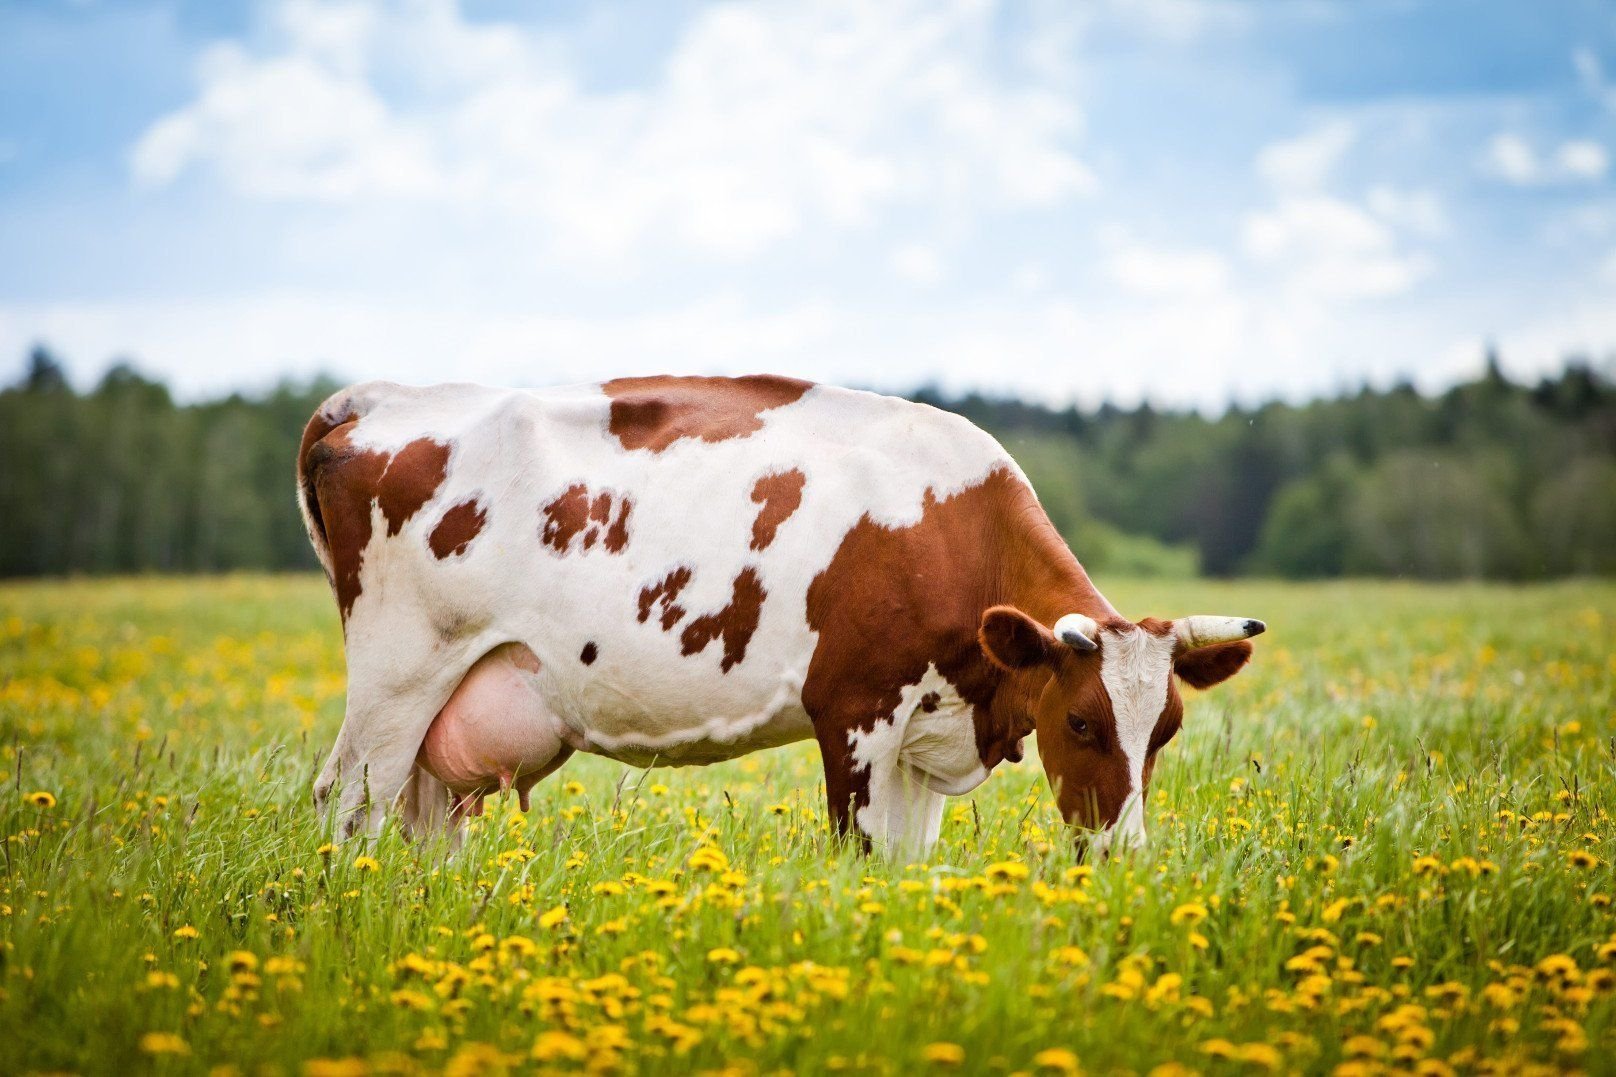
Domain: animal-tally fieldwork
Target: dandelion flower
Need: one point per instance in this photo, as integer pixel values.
(41, 799)
(366, 863)
(186, 931)
(1191, 912)
(1058, 1059)
(164, 1043)
(943, 1054)
(555, 1046)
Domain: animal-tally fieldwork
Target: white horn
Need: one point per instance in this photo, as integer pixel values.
(1195, 632)
(1078, 632)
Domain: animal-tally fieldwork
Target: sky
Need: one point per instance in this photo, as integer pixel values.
(1190, 202)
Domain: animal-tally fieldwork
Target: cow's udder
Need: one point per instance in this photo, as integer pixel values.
(495, 732)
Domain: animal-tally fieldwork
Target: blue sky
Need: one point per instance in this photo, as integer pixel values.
(1189, 201)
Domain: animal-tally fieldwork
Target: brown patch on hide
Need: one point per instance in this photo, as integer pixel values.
(734, 624)
(319, 425)
(664, 593)
(929, 702)
(463, 522)
(412, 477)
(347, 481)
(779, 494)
(653, 413)
(576, 518)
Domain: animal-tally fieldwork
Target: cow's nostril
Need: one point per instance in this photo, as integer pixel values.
(1255, 628)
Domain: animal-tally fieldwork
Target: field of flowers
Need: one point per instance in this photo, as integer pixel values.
(1386, 846)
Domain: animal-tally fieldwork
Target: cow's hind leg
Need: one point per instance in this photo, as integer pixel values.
(390, 707)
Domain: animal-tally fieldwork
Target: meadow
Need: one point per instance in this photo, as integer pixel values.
(1385, 846)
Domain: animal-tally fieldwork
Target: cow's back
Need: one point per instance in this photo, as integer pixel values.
(652, 541)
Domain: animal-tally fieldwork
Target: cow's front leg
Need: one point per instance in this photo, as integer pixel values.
(873, 795)
(915, 817)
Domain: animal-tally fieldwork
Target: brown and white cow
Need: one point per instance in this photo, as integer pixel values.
(670, 571)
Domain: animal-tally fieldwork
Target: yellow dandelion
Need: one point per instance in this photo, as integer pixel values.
(1191, 912)
(1558, 967)
(186, 931)
(41, 799)
(556, 1046)
(164, 1043)
(723, 955)
(1007, 869)
(1363, 1047)
(1260, 1054)
(242, 961)
(1058, 1059)
(366, 863)
(943, 1054)
(1582, 858)
(554, 917)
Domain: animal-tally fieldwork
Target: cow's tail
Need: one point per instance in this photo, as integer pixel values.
(314, 453)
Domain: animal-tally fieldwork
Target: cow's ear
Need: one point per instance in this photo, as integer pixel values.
(1205, 666)
(1012, 640)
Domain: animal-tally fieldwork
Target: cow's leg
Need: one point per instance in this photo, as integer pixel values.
(386, 719)
(423, 807)
(914, 819)
(871, 793)
(846, 786)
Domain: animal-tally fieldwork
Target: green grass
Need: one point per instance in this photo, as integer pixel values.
(1387, 822)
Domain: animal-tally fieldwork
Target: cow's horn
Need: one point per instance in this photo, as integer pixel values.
(1195, 632)
(1078, 632)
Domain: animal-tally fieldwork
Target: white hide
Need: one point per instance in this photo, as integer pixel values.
(420, 623)
(913, 760)
(1135, 667)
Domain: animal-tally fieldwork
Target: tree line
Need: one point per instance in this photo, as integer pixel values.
(1490, 479)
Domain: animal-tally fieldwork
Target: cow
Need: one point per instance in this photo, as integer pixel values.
(671, 571)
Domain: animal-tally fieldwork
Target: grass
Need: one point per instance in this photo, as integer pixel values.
(1385, 844)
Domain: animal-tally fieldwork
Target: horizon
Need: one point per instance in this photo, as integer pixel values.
(1200, 203)
(1492, 366)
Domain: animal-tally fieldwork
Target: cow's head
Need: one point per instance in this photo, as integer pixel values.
(1109, 703)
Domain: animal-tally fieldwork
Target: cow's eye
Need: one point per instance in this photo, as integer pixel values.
(1080, 726)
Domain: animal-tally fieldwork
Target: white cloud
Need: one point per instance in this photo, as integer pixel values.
(1607, 268)
(764, 121)
(918, 264)
(1306, 162)
(1515, 160)
(1419, 211)
(1155, 271)
(1321, 247)
(1582, 159)
(1591, 73)
(1330, 247)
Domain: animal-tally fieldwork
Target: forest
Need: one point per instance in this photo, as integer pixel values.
(1489, 479)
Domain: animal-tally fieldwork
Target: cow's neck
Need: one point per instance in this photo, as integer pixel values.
(1041, 576)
